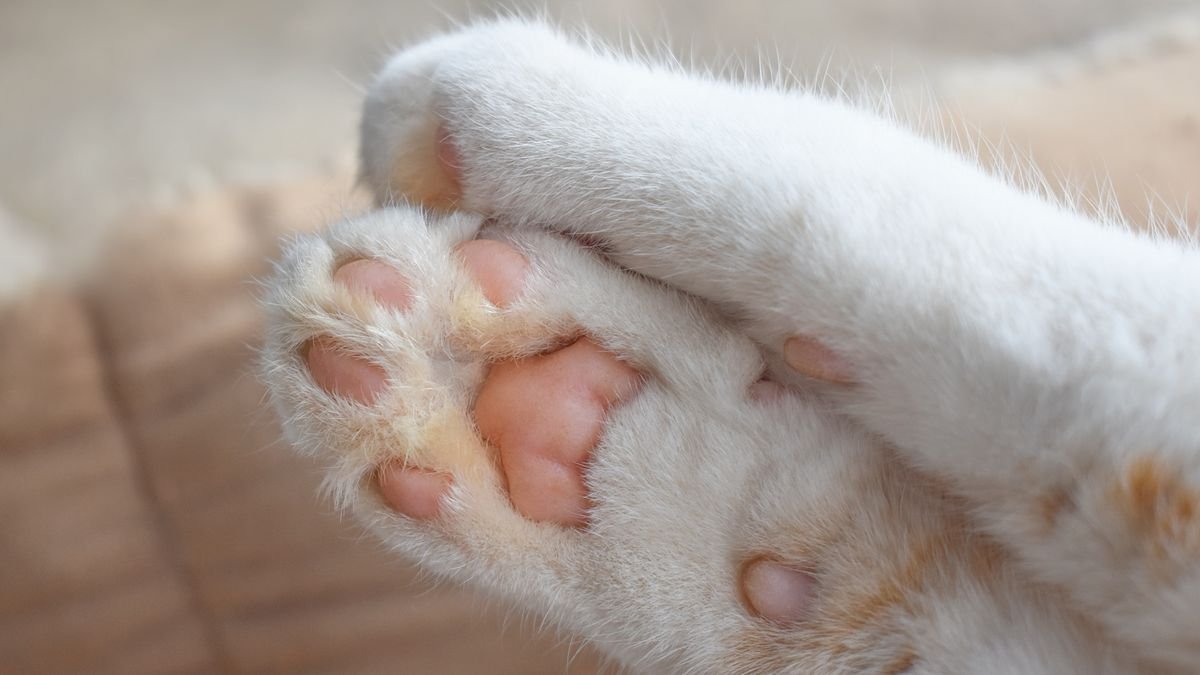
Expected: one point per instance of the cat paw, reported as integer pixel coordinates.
(515, 413)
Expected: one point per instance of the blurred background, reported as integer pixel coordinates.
(152, 154)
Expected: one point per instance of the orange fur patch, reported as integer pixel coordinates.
(1159, 507)
(904, 663)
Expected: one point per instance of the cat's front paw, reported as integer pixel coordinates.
(633, 481)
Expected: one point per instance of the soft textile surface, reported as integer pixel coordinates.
(152, 520)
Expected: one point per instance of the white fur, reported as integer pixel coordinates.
(1042, 369)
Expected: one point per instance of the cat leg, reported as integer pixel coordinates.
(719, 531)
(1045, 366)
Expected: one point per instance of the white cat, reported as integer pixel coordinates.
(1012, 484)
